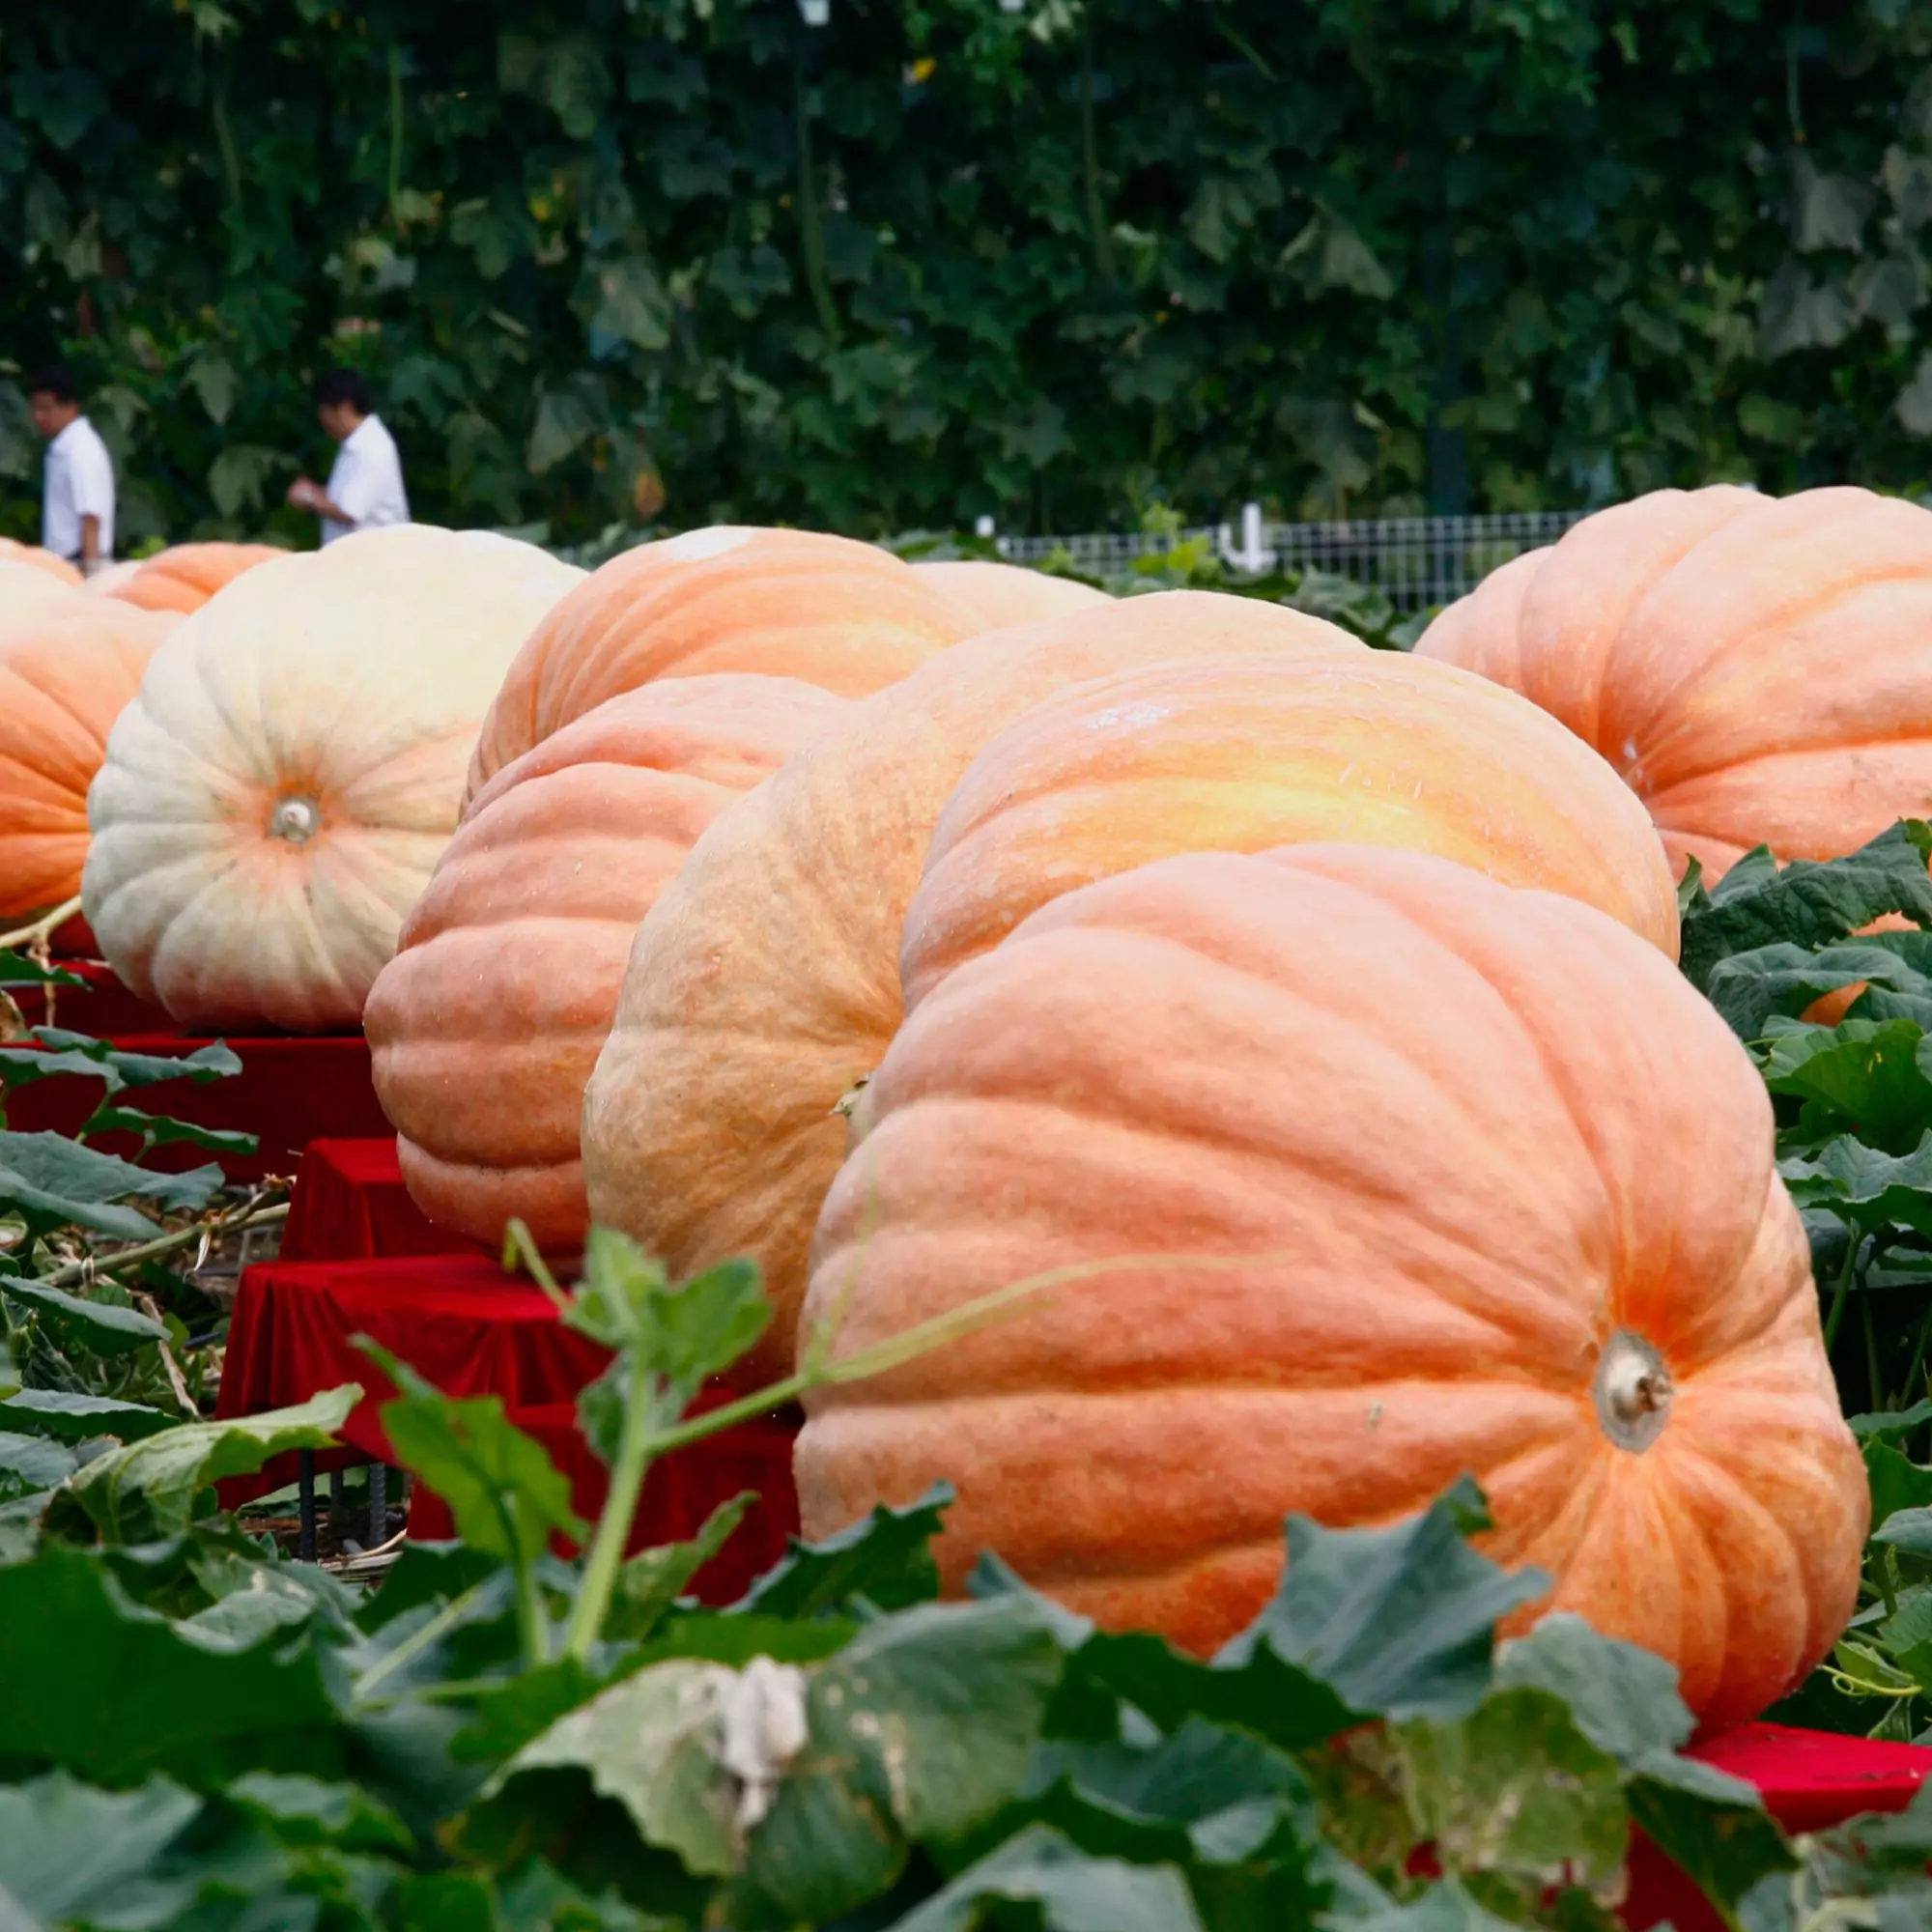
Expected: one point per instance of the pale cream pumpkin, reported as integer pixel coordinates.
(275, 799)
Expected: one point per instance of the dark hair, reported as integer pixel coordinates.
(55, 380)
(344, 385)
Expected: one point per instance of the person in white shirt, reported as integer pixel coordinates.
(78, 496)
(365, 487)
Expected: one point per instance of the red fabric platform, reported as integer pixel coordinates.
(350, 1204)
(101, 1008)
(471, 1330)
(1810, 1780)
(290, 1091)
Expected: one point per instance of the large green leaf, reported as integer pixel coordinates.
(1067, 1890)
(50, 1180)
(153, 1694)
(917, 1729)
(105, 1326)
(1400, 1622)
(147, 1490)
(1864, 1186)
(506, 1494)
(885, 1557)
(1807, 904)
(31, 1463)
(60, 1051)
(76, 1416)
(66, 1850)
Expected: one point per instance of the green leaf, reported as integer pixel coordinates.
(1863, 1186)
(1515, 1787)
(147, 1490)
(653, 1580)
(16, 969)
(1892, 1422)
(655, 1742)
(303, 1810)
(1896, 1483)
(1749, 988)
(62, 1051)
(1443, 1908)
(75, 1417)
(164, 1130)
(30, 1465)
(1400, 1622)
(1069, 1891)
(506, 1494)
(885, 1558)
(155, 1695)
(1865, 1077)
(918, 1729)
(1809, 903)
(104, 1327)
(67, 1849)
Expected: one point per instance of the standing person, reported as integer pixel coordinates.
(365, 487)
(78, 496)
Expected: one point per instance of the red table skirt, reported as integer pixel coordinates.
(102, 1006)
(290, 1091)
(1809, 1779)
(350, 1204)
(471, 1330)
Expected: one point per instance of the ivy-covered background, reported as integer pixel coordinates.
(1054, 261)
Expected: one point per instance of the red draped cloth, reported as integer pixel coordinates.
(471, 1330)
(1809, 1779)
(349, 1203)
(288, 1092)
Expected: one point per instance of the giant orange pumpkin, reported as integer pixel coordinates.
(184, 577)
(1409, 1174)
(486, 1024)
(67, 666)
(275, 797)
(846, 617)
(996, 596)
(1758, 670)
(1239, 753)
(762, 988)
(37, 559)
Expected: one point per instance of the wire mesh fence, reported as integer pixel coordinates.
(1416, 562)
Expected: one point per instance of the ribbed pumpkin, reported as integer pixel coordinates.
(486, 1024)
(764, 982)
(1240, 753)
(277, 794)
(32, 555)
(184, 577)
(23, 586)
(1472, 1181)
(846, 617)
(67, 666)
(996, 596)
(1758, 670)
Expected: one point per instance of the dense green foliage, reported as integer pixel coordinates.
(939, 259)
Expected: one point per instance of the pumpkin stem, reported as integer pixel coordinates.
(295, 818)
(1633, 1391)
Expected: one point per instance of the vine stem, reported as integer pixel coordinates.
(42, 929)
(1842, 1287)
(251, 1216)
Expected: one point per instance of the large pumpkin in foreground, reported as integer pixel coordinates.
(996, 596)
(275, 797)
(486, 1024)
(1758, 670)
(846, 617)
(184, 577)
(37, 559)
(67, 666)
(1240, 753)
(1469, 1179)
